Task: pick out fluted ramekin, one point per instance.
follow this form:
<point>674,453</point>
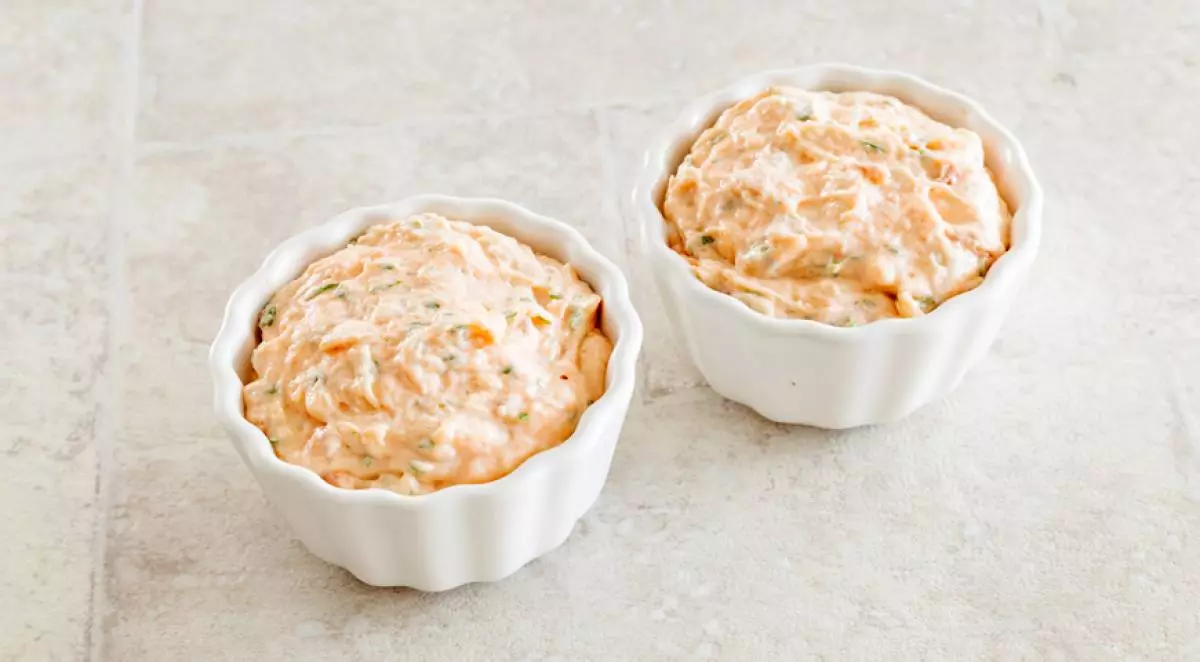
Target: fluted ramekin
<point>800,371</point>
<point>463,533</point>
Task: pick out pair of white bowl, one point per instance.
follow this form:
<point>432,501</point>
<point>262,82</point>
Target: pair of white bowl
<point>791,371</point>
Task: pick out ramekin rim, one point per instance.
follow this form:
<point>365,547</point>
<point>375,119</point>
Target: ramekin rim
<point>244,304</point>
<point>1004,272</point>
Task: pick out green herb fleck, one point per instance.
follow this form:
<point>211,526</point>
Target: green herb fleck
<point>433,305</point>
<point>449,358</point>
<point>419,467</point>
<point>845,323</point>
<point>368,461</point>
<point>388,267</point>
<point>893,249</point>
<point>507,370</point>
<point>273,390</point>
<point>510,315</point>
<point>458,327</point>
<point>416,223</point>
<point>522,416</point>
<point>425,444</point>
<point>320,290</point>
<point>804,115</point>
<point>385,286</point>
<point>273,440</point>
<point>867,303</point>
<point>268,316</point>
<point>555,297</point>
<point>927,303</point>
<point>870,146</point>
<point>706,240</point>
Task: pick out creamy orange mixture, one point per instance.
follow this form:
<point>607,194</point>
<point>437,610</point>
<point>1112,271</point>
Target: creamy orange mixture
<point>843,208</point>
<point>427,353</point>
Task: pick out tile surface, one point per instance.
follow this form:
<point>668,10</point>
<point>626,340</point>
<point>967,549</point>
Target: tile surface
<point>55,324</point>
<point>154,151</point>
<point>272,66</point>
<point>61,68</point>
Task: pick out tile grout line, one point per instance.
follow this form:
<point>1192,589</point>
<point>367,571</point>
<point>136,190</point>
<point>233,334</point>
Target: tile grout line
<point>106,436</point>
<point>261,138</point>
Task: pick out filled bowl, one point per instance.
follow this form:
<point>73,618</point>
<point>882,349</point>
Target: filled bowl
<point>461,533</point>
<point>806,372</point>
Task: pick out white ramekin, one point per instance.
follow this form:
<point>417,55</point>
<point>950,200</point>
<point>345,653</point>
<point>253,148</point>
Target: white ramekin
<point>464,533</point>
<point>799,371</point>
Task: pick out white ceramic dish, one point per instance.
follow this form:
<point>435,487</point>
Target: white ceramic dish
<point>798,371</point>
<point>464,533</point>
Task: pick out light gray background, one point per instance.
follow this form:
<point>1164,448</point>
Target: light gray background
<point>154,150</point>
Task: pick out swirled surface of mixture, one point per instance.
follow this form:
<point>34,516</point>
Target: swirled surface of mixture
<point>428,353</point>
<point>845,208</point>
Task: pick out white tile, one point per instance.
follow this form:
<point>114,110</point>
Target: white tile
<point>55,323</point>
<point>227,67</point>
<point>61,68</point>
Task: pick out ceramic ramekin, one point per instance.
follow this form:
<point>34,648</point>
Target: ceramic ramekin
<point>799,371</point>
<point>464,533</point>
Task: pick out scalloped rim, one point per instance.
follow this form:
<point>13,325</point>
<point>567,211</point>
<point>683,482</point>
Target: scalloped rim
<point>658,165</point>
<point>280,266</point>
